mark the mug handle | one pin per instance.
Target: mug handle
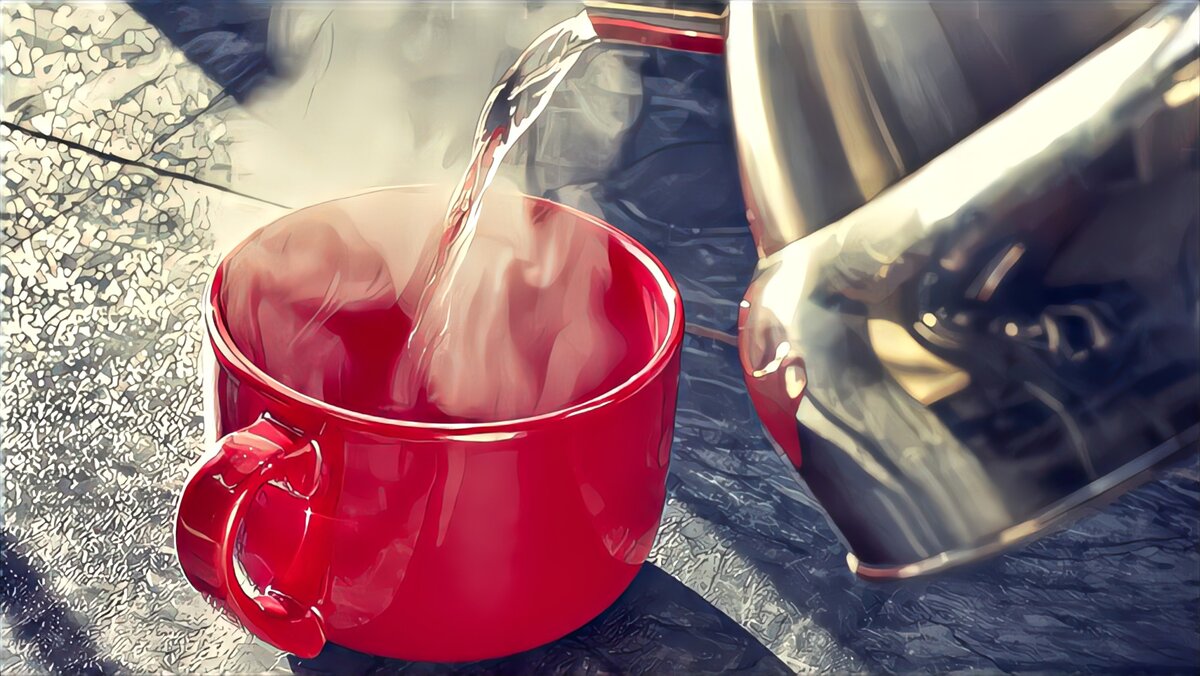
(212, 508)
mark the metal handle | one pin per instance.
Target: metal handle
(686, 26)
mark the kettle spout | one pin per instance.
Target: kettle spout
(686, 26)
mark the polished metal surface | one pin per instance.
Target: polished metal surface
(1003, 336)
(836, 101)
(700, 16)
(981, 343)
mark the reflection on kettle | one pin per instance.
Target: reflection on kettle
(978, 307)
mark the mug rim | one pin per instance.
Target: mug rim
(232, 358)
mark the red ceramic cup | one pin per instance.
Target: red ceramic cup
(432, 541)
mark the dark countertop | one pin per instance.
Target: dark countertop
(115, 213)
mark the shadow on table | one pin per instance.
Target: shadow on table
(658, 626)
(58, 641)
(226, 39)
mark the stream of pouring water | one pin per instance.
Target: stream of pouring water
(511, 108)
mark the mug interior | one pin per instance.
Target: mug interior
(550, 311)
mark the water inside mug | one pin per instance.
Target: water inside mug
(544, 312)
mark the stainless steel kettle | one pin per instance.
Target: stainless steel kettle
(978, 304)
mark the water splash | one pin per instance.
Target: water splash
(512, 107)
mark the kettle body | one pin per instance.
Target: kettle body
(977, 309)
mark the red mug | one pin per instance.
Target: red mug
(438, 541)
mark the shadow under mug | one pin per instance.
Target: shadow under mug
(308, 522)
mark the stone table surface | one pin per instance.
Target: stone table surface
(133, 155)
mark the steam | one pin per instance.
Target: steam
(390, 94)
(322, 300)
(525, 326)
(374, 94)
